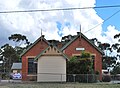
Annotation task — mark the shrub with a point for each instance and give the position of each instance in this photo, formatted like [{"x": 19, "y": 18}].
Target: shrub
[
  {"x": 106, "y": 78},
  {"x": 97, "y": 72},
  {"x": 82, "y": 78},
  {"x": 85, "y": 55}
]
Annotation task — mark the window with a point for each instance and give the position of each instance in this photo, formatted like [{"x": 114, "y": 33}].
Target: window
[{"x": 32, "y": 66}]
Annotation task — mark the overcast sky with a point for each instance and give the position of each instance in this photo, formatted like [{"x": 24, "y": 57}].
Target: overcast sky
[{"x": 55, "y": 24}]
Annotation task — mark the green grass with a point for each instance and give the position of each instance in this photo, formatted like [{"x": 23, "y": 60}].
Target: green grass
[{"x": 59, "y": 85}]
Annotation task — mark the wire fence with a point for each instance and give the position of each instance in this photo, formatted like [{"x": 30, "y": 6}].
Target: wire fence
[
  {"x": 83, "y": 78},
  {"x": 53, "y": 77},
  {"x": 56, "y": 77}
]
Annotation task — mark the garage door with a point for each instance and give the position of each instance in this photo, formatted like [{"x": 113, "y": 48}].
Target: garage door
[{"x": 51, "y": 69}]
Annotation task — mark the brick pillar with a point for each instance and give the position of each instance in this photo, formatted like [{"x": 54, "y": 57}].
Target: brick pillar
[{"x": 24, "y": 68}]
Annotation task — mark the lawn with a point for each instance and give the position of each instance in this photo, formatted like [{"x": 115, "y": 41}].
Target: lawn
[{"x": 59, "y": 85}]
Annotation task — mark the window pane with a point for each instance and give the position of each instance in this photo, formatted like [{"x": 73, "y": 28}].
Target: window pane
[{"x": 32, "y": 67}]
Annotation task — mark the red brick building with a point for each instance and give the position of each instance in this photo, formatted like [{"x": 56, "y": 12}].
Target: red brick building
[
  {"x": 29, "y": 54},
  {"x": 70, "y": 45}
]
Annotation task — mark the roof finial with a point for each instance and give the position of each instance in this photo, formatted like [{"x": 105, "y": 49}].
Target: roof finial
[
  {"x": 41, "y": 32},
  {"x": 80, "y": 28},
  {"x": 41, "y": 36},
  {"x": 80, "y": 31}
]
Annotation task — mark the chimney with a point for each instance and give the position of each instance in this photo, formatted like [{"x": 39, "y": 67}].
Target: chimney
[
  {"x": 78, "y": 33},
  {"x": 69, "y": 37},
  {"x": 42, "y": 36}
]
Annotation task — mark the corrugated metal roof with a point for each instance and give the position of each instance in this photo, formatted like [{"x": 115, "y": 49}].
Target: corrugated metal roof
[{"x": 16, "y": 66}]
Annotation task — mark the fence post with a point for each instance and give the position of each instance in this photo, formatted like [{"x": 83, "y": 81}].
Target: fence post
[
  {"x": 87, "y": 78},
  {"x": 74, "y": 77}
]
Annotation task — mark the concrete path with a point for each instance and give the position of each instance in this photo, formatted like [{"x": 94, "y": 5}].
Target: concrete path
[{"x": 115, "y": 81}]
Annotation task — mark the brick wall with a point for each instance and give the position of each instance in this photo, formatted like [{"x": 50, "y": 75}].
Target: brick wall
[
  {"x": 69, "y": 51},
  {"x": 82, "y": 43},
  {"x": 34, "y": 51}
]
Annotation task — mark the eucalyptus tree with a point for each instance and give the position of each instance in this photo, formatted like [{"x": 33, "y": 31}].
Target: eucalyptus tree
[
  {"x": 8, "y": 56},
  {"x": 116, "y": 46},
  {"x": 108, "y": 60},
  {"x": 11, "y": 53}
]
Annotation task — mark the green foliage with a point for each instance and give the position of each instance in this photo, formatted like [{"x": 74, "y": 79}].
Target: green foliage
[
  {"x": 81, "y": 65},
  {"x": 73, "y": 59},
  {"x": 106, "y": 78},
  {"x": 18, "y": 38},
  {"x": 10, "y": 54},
  {"x": 108, "y": 62},
  {"x": 104, "y": 46},
  {"x": 85, "y": 55},
  {"x": 116, "y": 46},
  {"x": 116, "y": 69}
]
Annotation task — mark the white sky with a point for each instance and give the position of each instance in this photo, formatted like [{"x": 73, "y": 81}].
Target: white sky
[{"x": 30, "y": 24}]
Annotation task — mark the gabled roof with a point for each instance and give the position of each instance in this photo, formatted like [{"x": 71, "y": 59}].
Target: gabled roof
[
  {"x": 42, "y": 37},
  {"x": 47, "y": 49},
  {"x": 16, "y": 66},
  {"x": 77, "y": 36}
]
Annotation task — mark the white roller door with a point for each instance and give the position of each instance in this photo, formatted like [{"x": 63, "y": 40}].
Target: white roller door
[{"x": 51, "y": 69}]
